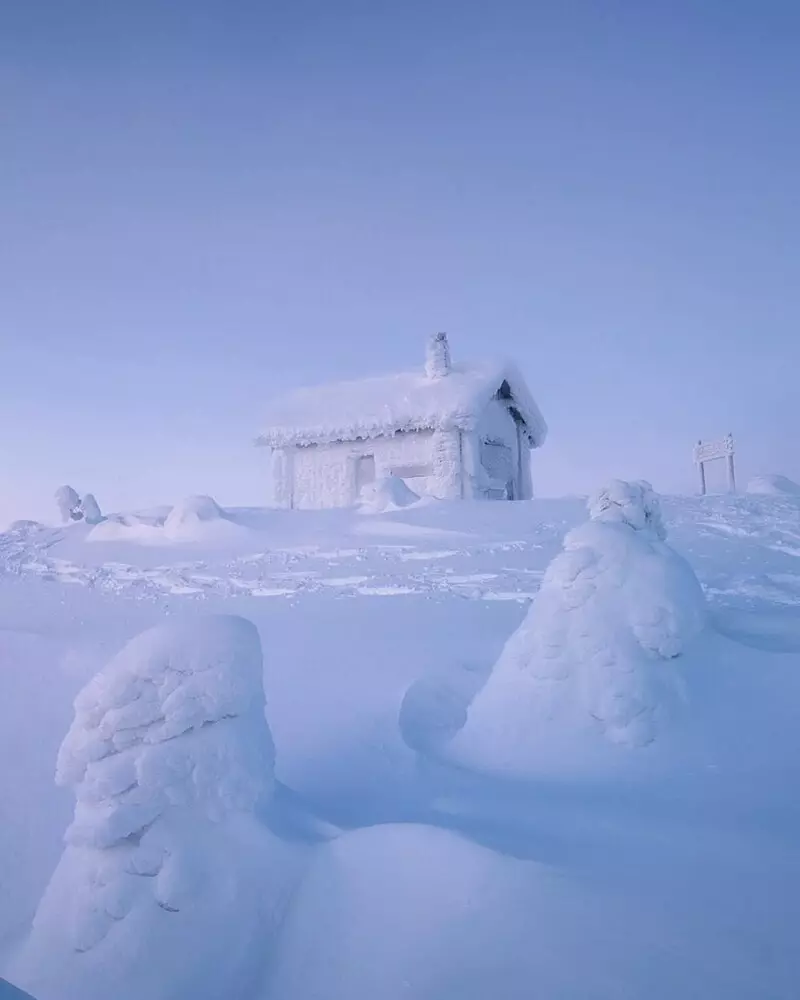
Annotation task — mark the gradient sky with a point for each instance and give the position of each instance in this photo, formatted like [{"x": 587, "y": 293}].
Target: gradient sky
[{"x": 202, "y": 203}]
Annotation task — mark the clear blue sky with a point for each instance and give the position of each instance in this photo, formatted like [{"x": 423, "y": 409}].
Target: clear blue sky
[{"x": 202, "y": 203}]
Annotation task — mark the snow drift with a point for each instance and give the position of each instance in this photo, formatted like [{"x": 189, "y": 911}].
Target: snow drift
[
  {"x": 195, "y": 520},
  {"x": 170, "y": 758},
  {"x": 774, "y": 485},
  {"x": 200, "y": 519},
  {"x": 388, "y": 493},
  {"x": 593, "y": 665}
]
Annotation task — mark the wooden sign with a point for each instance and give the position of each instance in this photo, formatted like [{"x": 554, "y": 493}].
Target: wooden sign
[{"x": 710, "y": 451}]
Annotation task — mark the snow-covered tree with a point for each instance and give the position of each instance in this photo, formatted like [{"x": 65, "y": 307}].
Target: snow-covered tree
[
  {"x": 91, "y": 509},
  {"x": 69, "y": 504},
  {"x": 437, "y": 357},
  {"x": 161, "y": 887},
  {"x": 589, "y": 666}
]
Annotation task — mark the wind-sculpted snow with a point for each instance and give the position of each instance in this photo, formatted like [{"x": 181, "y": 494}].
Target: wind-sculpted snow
[
  {"x": 592, "y": 659},
  {"x": 388, "y": 493},
  {"x": 170, "y": 758},
  {"x": 122, "y": 756},
  {"x": 773, "y": 485},
  {"x": 376, "y": 868}
]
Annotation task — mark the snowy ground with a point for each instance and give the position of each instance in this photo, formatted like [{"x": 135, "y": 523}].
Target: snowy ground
[{"x": 445, "y": 882}]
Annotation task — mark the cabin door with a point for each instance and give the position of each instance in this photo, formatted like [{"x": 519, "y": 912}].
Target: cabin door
[
  {"x": 498, "y": 463},
  {"x": 365, "y": 472}
]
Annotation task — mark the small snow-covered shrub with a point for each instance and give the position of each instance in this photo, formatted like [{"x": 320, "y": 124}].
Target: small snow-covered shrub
[
  {"x": 589, "y": 666},
  {"x": 170, "y": 759},
  {"x": 69, "y": 504},
  {"x": 91, "y": 509},
  {"x": 389, "y": 493}
]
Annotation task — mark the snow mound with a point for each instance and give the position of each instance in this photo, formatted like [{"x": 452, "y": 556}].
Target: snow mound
[
  {"x": 197, "y": 519},
  {"x": 124, "y": 528},
  {"x": 388, "y": 493},
  {"x": 170, "y": 757},
  {"x": 589, "y": 668},
  {"x": 774, "y": 485}
]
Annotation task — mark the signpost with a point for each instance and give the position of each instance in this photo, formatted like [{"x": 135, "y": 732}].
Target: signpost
[{"x": 710, "y": 451}]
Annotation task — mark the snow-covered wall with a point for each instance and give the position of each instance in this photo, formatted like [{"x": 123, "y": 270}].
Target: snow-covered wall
[
  {"x": 445, "y": 463},
  {"x": 327, "y": 475}
]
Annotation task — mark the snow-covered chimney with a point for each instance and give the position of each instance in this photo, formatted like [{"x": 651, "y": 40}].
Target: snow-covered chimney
[{"x": 437, "y": 356}]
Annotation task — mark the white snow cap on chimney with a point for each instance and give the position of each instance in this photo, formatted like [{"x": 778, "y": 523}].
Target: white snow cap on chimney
[{"x": 437, "y": 356}]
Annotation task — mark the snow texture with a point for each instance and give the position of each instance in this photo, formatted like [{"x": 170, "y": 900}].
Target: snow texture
[
  {"x": 673, "y": 875},
  {"x": 388, "y": 493},
  {"x": 774, "y": 485},
  {"x": 593, "y": 663},
  {"x": 170, "y": 757},
  {"x": 393, "y": 404}
]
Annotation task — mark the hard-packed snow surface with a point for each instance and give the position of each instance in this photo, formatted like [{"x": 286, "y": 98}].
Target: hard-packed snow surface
[
  {"x": 773, "y": 485},
  {"x": 639, "y": 838}
]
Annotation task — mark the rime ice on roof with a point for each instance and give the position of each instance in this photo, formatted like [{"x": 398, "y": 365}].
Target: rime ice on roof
[{"x": 388, "y": 404}]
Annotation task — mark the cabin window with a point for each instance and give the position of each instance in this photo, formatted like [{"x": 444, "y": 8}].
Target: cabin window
[{"x": 412, "y": 471}]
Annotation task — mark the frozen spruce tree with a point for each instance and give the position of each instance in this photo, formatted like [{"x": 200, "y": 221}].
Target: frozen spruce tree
[
  {"x": 597, "y": 663},
  {"x": 69, "y": 504},
  {"x": 91, "y": 509},
  {"x": 163, "y": 888}
]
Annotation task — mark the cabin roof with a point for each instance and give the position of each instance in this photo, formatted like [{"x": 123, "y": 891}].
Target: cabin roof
[{"x": 391, "y": 404}]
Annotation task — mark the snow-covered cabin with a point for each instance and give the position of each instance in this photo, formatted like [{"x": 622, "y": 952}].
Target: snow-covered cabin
[{"x": 450, "y": 431}]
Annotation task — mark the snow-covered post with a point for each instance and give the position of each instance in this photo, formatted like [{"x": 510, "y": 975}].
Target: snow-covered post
[
  {"x": 282, "y": 477},
  {"x": 68, "y": 504},
  {"x": 731, "y": 469},
  {"x": 170, "y": 758},
  {"x": 437, "y": 357},
  {"x": 702, "y": 469}
]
